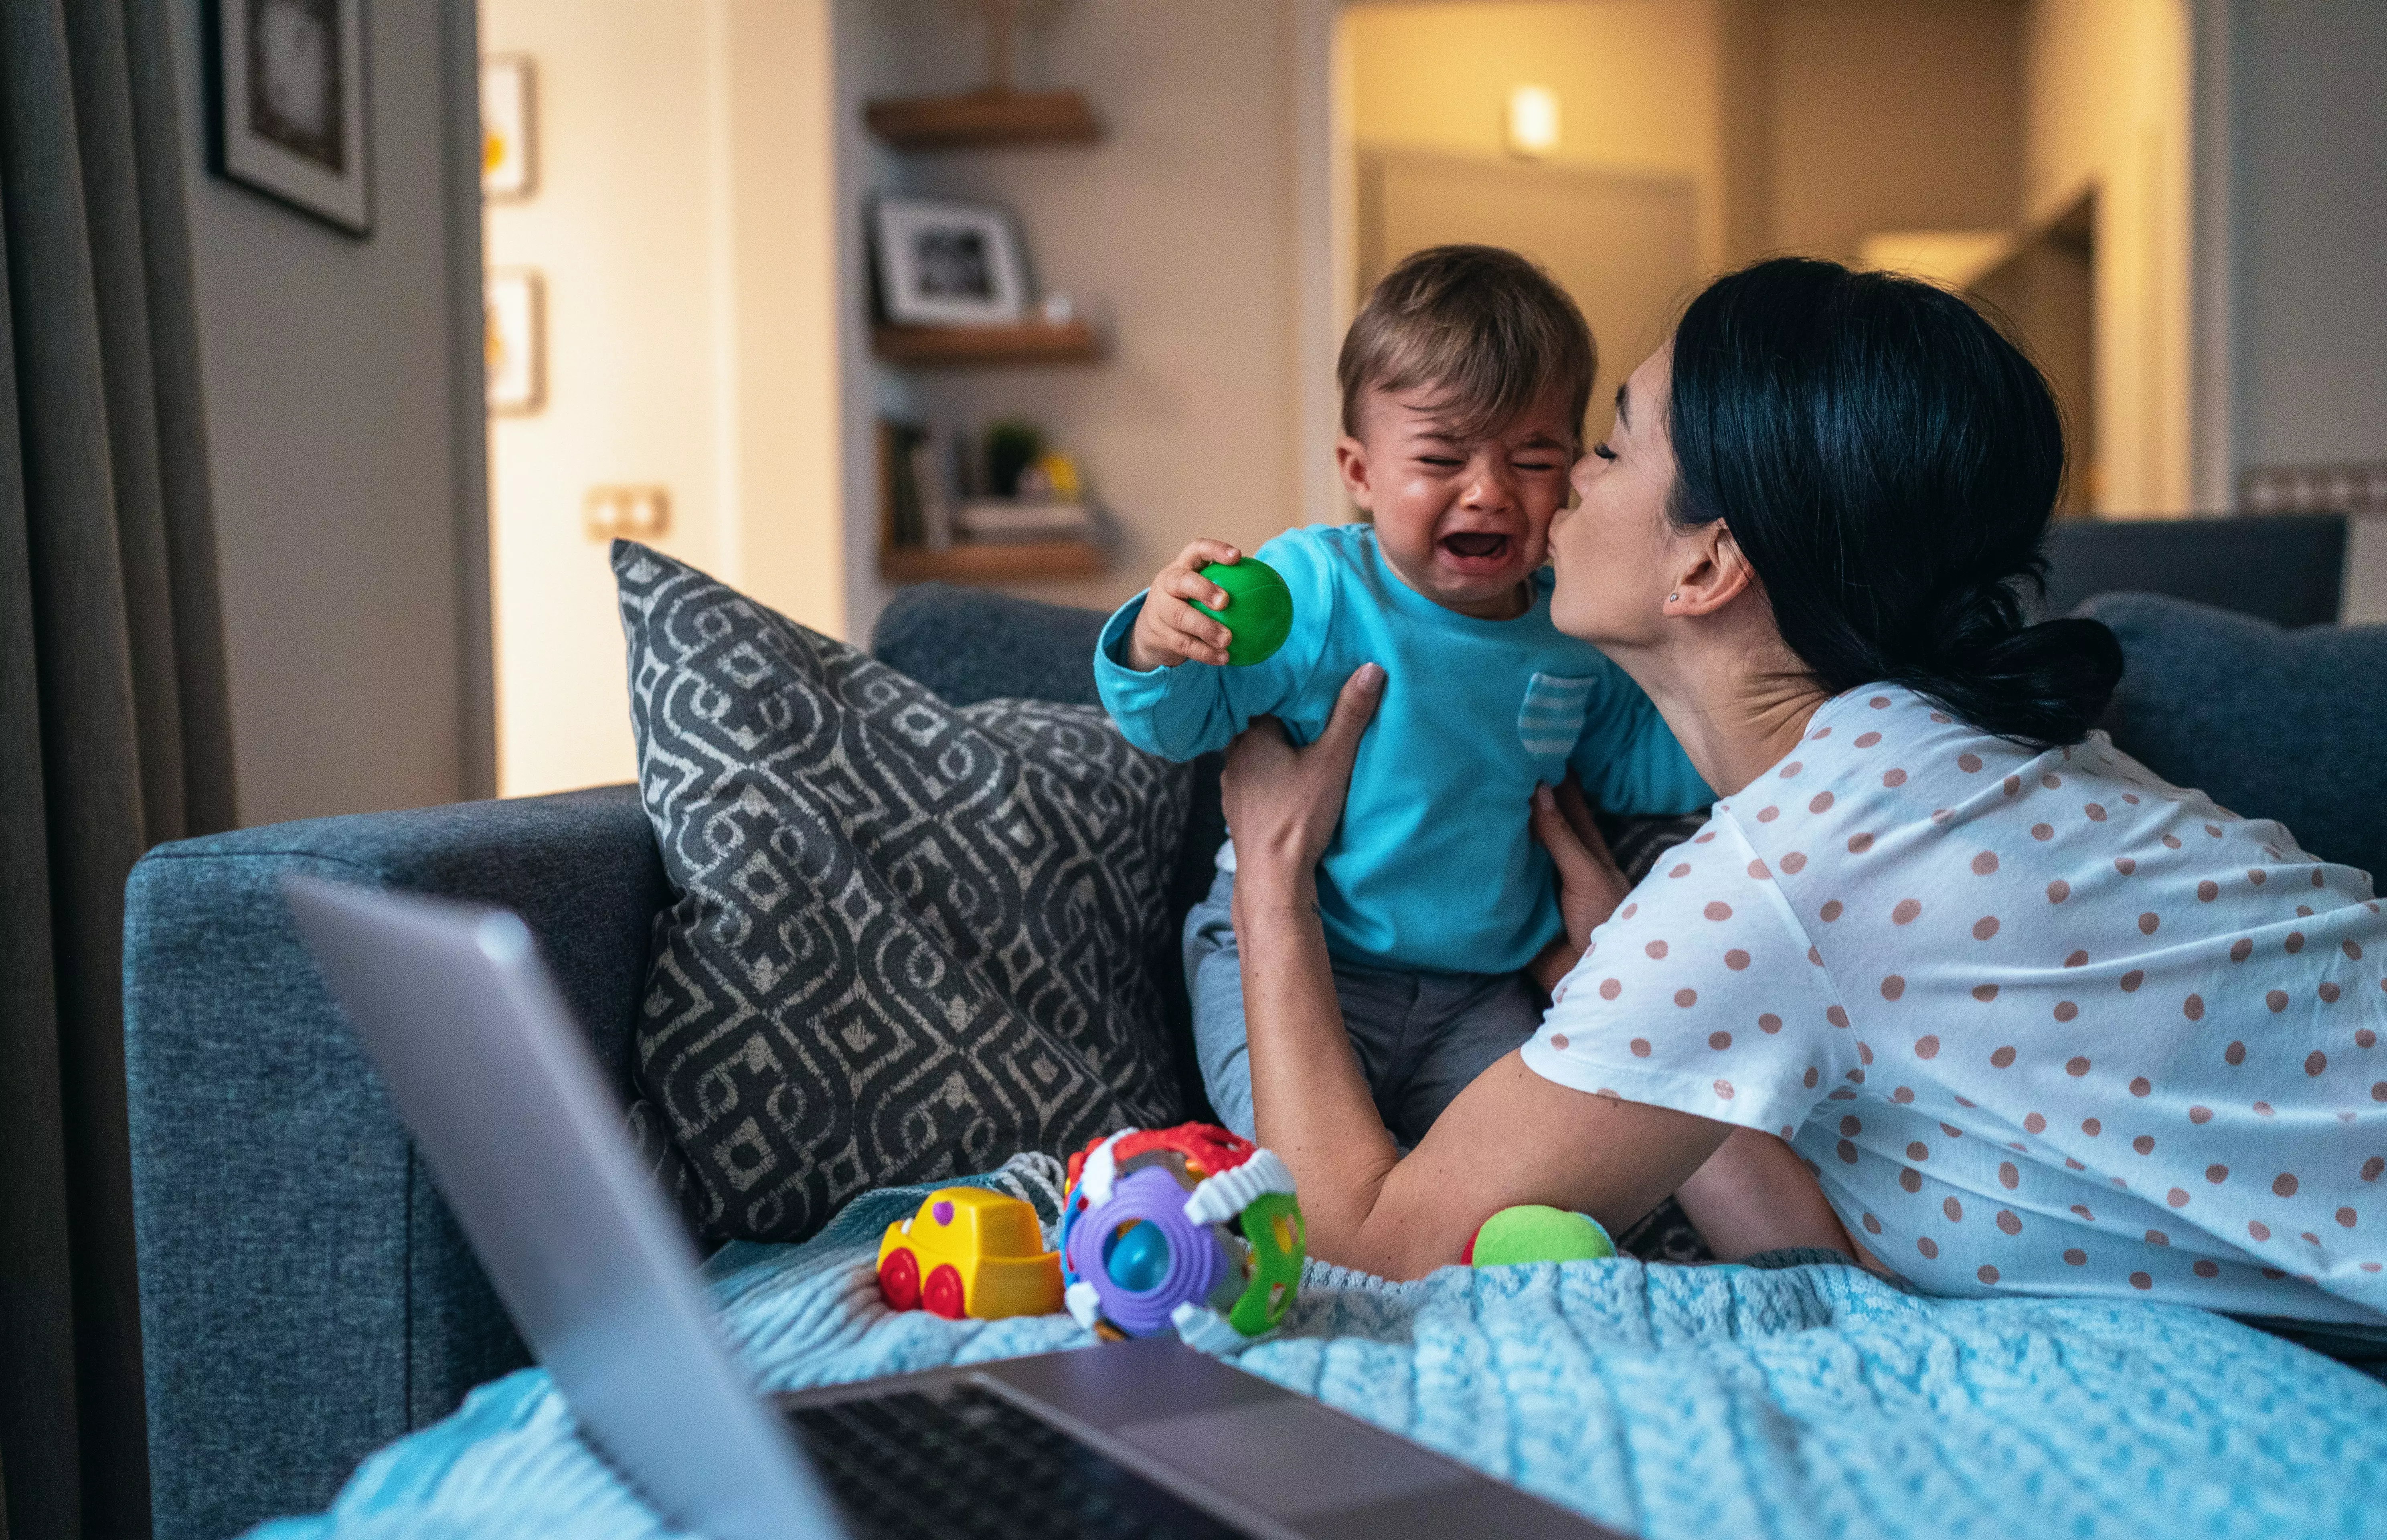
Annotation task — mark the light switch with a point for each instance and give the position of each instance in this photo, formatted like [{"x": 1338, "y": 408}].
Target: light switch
[{"x": 626, "y": 513}]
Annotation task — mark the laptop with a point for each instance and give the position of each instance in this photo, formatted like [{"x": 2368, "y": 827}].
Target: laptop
[{"x": 1144, "y": 1438}]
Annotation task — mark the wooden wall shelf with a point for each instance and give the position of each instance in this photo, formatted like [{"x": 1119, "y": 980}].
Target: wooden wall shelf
[
  {"x": 962, "y": 347},
  {"x": 992, "y": 562},
  {"x": 983, "y": 119}
]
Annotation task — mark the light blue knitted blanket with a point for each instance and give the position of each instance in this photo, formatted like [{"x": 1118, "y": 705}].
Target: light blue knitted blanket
[{"x": 1669, "y": 1401}]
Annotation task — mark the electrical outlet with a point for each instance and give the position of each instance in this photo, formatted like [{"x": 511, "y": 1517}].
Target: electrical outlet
[{"x": 626, "y": 513}]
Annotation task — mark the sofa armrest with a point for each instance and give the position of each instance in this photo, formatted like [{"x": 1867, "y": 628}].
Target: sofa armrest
[{"x": 305, "y": 1295}]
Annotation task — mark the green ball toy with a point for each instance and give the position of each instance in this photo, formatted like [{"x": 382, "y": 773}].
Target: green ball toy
[
  {"x": 1535, "y": 1233},
  {"x": 1260, "y": 608}
]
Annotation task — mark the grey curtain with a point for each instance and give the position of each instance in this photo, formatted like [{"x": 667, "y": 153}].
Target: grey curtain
[{"x": 114, "y": 728}]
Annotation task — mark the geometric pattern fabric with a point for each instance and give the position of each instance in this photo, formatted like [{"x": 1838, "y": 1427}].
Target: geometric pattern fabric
[{"x": 909, "y": 940}]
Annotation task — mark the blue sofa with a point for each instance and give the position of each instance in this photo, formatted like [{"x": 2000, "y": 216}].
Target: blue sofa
[{"x": 306, "y": 1296}]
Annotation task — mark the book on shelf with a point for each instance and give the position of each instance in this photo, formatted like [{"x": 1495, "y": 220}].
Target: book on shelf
[
  {"x": 899, "y": 496},
  {"x": 926, "y": 501},
  {"x": 1022, "y": 519},
  {"x": 916, "y": 484},
  {"x": 932, "y": 483}
]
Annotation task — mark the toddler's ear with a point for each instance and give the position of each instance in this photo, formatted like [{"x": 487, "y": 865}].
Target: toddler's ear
[{"x": 1351, "y": 460}]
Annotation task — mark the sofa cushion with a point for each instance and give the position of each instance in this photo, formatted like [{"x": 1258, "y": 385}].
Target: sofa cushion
[
  {"x": 908, "y": 939},
  {"x": 969, "y": 645},
  {"x": 2269, "y": 722}
]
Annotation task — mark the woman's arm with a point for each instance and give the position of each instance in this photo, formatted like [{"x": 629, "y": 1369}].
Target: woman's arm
[
  {"x": 1510, "y": 1138},
  {"x": 1756, "y": 1194}
]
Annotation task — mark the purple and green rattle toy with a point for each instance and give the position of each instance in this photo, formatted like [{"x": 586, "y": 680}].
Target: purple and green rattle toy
[{"x": 1193, "y": 1228}]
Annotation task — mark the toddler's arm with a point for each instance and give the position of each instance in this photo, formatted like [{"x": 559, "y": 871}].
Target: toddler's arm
[{"x": 1181, "y": 712}]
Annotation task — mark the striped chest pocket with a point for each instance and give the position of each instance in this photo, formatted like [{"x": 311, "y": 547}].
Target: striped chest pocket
[{"x": 1551, "y": 718}]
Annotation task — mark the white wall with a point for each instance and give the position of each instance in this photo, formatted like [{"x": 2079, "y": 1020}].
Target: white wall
[
  {"x": 2308, "y": 83},
  {"x": 682, "y": 226},
  {"x": 347, "y": 537},
  {"x": 2307, "y": 135},
  {"x": 1180, "y": 223}
]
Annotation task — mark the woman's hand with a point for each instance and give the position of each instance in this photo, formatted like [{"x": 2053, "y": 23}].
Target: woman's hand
[
  {"x": 1590, "y": 883},
  {"x": 1282, "y": 803}
]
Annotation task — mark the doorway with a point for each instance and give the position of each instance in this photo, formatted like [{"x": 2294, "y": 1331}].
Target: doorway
[{"x": 1623, "y": 246}]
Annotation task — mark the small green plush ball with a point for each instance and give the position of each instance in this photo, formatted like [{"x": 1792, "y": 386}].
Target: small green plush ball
[
  {"x": 1260, "y": 608},
  {"x": 1535, "y": 1233}
]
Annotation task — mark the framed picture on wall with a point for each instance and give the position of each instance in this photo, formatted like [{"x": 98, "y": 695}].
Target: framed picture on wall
[
  {"x": 947, "y": 263},
  {"x": 513, "y": 335},
  {"x": 509, "y": 129},
  {"x": 287, "y": 104}
]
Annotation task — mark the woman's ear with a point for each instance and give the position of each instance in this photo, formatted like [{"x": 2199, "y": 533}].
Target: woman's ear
[
  {"x": 1351, "y": 460},
  {"x": 1711, "y": 571}
]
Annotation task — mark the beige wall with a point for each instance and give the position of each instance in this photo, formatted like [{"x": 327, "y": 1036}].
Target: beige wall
[
  {"x": 1806, "y": 123},
  {"x": 2106, "y": 98},
  {"x": 1799, "y": 124},
  {"x": 347, "y": 502},
  {"x": 1180, "y": 225},
  {"x": 1640, "y": 85},
  {"x": 681, "y": 224},
  {"x": 1890, "y": 115}
]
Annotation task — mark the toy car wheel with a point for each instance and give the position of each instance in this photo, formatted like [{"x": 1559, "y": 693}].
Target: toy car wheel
[
  {"x": 898, "y": 1279},
  {"x": 944, "y": 1295}
]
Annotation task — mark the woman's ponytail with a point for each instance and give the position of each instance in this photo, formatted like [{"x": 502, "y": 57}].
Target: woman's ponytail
[{"x": 2042, "y": 685}]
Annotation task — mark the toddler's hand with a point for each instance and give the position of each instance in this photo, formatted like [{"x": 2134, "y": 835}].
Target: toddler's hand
[{"x": 1169, "y": 631}]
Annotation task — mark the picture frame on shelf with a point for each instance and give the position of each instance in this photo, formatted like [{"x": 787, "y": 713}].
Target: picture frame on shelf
[
  {"x": 509, "y": 128},
  {"x": 288, "y": 102},
  {"x": 949, "y": 262},
  {"x": 514, "y": 338}
]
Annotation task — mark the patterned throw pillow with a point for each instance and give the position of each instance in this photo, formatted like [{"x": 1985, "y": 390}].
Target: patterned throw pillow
[{"x": 910, "y": 938}]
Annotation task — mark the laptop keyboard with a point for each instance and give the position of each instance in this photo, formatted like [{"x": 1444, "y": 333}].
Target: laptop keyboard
[{"x": 964, "y": 1462}]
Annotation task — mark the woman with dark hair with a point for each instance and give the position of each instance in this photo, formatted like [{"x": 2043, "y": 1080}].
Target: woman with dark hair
[{"x": 1947, "y": 982}]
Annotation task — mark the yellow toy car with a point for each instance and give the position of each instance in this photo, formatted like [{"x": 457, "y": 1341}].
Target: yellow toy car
[{"x": 970, "y": 1252}]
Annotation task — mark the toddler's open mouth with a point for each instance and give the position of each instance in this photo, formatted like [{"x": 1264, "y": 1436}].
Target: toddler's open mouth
[{"x": 1476, "y": 547}]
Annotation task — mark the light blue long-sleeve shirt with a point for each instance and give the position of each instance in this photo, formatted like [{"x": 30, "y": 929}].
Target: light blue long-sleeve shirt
[{"x": 1434, "y": 867}]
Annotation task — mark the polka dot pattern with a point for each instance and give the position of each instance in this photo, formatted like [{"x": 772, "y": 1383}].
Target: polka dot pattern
[{"x": 2009, "y": 941}]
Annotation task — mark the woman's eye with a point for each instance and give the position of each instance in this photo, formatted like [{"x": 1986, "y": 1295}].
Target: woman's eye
[{"x": 1603, "y": 451}]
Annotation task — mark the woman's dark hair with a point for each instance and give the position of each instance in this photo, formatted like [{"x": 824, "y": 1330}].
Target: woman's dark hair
[{"x": 1890, "y": 462}]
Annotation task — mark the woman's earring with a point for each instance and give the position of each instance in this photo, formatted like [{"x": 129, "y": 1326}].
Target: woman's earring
[{"x": 1671, "y": 597}]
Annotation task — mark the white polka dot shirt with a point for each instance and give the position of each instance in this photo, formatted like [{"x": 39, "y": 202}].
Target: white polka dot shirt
[{"x": 2039, "y": 1022}]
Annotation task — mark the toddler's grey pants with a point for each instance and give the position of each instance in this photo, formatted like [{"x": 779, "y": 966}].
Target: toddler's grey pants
[{"x": 1420, "y": 1037}]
